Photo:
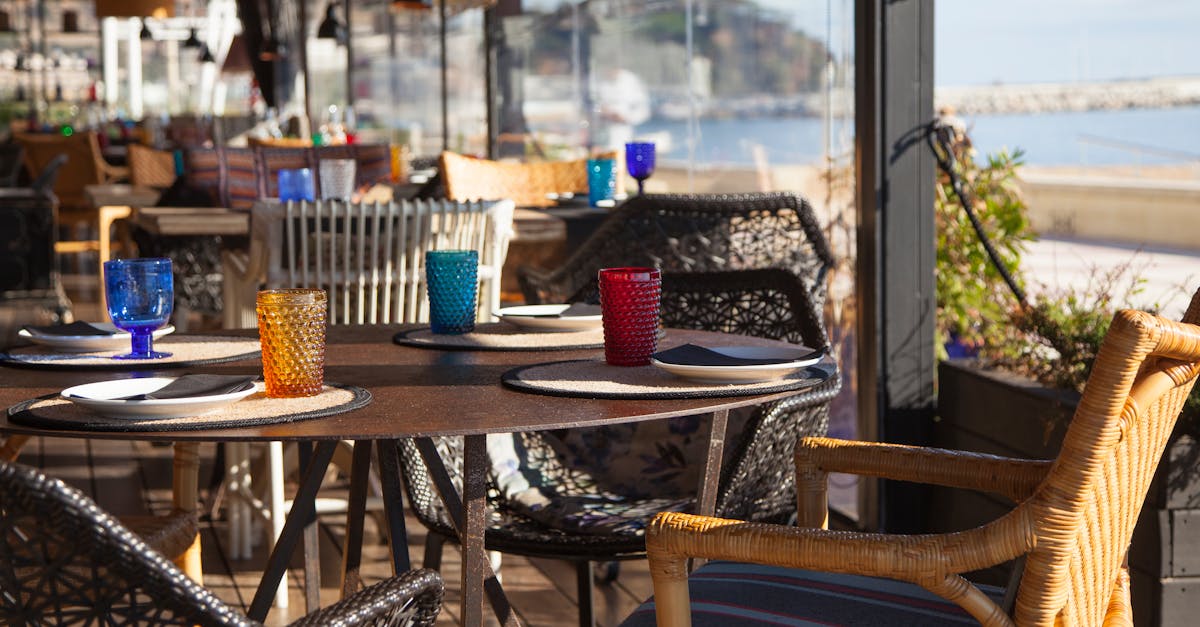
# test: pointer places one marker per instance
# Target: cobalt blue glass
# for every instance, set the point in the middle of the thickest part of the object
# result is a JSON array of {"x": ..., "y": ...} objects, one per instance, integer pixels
[
  {"x": 296, "y": 185},
  {"x": 602, "y": 181},
  {"x": 140, "y": 295},
  {"x": 639, "y": 161},
  {"x": 452, "y": 278}
]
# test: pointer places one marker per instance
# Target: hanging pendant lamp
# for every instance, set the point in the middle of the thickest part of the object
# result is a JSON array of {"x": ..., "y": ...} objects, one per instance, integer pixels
[{"x": 330, "y": 27}]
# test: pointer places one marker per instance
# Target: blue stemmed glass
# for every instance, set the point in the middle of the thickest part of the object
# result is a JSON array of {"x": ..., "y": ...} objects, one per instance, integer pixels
[
  {"x": 639, "y": 161},
  {"x": 140, "y": 295}
]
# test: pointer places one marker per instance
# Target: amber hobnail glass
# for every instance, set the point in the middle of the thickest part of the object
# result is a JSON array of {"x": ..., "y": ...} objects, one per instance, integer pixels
[
  {"x": 291, "y": 325},
  {"x": 629, "y": 300}
]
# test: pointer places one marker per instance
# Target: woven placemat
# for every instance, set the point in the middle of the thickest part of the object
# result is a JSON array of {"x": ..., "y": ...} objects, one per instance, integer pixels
[
  {"x": 186, "y": 351},
  {"x": 500, "y": 336},
  {"x": 592, "y": 378},
  {"x": 54, "y": 412}
]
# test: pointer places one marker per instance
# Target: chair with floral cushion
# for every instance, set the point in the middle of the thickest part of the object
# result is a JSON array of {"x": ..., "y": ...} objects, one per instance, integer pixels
[
  {"x": 555, "y": 495},
  {"x": 64, "y": 561},
  {"x": 1071, "y": 527}
]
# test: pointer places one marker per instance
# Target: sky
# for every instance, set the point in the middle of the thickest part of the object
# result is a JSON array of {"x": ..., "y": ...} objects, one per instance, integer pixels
[{"x": 1033, "y": 41}]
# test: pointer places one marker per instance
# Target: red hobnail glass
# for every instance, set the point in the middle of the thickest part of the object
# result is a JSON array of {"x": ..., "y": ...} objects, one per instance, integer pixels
[{"x": 629, "y": 299}]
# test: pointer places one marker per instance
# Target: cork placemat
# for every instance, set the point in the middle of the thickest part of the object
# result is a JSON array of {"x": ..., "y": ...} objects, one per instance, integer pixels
[
  {"x": 186, "y": 351},
  {"x": 499, "y": 336},
  {"x": 593, "y": 378},
  {"x": 54, "y": 412}
]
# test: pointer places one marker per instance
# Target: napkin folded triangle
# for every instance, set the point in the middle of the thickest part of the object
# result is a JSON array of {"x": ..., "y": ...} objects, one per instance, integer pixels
[
  {"x": 575, "y": 310},
  {"x": 694, "y": 355},
  {"x": 73, "y": 329},
  {"x": 196, "y": 385}
]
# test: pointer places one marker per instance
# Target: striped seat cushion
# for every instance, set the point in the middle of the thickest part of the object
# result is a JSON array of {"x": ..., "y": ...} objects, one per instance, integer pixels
[
  {"x": 726, "y": 593},
  {"x": 239, "y": 185}
]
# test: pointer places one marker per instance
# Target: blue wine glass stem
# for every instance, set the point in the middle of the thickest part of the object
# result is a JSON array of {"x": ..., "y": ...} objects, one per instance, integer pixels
[
  {"x": 141, "y": 343},
  {"x": 641, "y": 183}
]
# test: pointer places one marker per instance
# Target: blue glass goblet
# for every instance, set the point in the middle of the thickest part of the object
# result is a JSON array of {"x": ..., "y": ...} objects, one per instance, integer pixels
[
  {"x": 140, "y": 295},
  {"x": 639, "y": 161}
]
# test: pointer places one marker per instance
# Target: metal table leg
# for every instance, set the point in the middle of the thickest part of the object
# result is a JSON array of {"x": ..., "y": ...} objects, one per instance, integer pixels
[
  {"x": 470, "y": 522},
  {"x": 303, "y": 510}
]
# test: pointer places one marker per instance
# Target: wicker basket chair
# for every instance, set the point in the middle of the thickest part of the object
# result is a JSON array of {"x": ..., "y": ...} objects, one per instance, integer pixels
[
  {"x": 695, "y": 233},
  {"x": 1073, "y": 523},
  {"x": 527, "y": 184},
  {"x": 756, "y": 480},
  {"x": 63, "y": 561}
]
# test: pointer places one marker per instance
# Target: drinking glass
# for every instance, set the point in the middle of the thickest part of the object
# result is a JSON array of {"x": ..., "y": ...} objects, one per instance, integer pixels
[
  {"x": 639, "y": 161},
  {"x": 602, "y": 181},
  {"x": 452, "y": 278},
  {"x": 140, "y": 295},
  {"x": 629, "y": 306},
  {"x": 337, "y": 179},
  {"x": 296, "y": 185},
  {"x": 291, "y": 329}
]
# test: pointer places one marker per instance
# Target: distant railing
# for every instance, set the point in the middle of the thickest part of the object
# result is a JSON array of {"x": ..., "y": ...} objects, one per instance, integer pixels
[{"x": 1139, "y": 148}]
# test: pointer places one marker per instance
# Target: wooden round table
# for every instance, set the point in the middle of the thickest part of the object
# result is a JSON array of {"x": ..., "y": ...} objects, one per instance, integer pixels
[{"x": 418, "y": 393}]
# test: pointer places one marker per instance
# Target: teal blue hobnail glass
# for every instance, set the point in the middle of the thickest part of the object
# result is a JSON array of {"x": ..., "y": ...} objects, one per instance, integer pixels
[{"x": 452, "y": 278}]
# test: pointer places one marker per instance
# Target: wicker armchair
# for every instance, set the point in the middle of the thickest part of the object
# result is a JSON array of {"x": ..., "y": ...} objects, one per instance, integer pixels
[
  {"x": 527, "y": 184},
  {"x": 695, "y": 233},
  {"x": 1072, "y": 525},
  {"x": 756, "y": 480},
  {"x": 63, "y": 561}
]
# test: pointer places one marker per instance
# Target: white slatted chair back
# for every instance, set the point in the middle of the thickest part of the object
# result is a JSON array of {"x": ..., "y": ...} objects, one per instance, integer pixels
[{"x": 369, "y": 257}]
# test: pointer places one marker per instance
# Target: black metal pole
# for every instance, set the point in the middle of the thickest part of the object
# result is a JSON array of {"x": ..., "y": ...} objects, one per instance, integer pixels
[{"x": 445, "y": 75}]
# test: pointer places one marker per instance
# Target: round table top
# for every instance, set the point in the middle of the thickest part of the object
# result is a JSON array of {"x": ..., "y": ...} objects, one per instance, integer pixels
[{"x": 417, "y": 392}]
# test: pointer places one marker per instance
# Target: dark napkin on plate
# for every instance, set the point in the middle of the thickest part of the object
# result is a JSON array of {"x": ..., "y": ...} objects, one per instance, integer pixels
[
  {"x": 572, "y": 311},
  {"x": 195, "y": 385},
  {"x": 693, "y": 355},
  {"x": 75, "y": 328}
]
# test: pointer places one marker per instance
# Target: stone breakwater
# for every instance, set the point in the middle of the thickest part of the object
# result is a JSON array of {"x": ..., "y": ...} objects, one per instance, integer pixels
[{"x": 1053, "y": 97}]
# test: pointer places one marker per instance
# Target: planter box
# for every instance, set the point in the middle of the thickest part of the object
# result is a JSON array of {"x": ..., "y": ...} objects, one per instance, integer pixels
[{"x": 1003, "y": 414}]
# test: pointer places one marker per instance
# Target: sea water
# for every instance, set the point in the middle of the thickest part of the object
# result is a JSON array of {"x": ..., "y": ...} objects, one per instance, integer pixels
[{"x": 1124, "y": 137}]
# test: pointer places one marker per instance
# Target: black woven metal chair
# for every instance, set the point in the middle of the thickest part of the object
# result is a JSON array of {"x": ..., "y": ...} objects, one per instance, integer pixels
[
  {"x": 694, "y": 233},
  {"x": 63, "y": 561},
  {"x": 757, "y": 480}
]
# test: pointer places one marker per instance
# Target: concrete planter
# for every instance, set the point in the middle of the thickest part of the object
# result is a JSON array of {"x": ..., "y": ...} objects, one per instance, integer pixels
[{"x": 1000, "y": 413}]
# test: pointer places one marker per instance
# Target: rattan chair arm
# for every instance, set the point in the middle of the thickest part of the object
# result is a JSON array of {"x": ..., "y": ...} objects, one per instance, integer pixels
[
  {"x": 932, "y": 561},
  {"x": 1013, "y": 478},
  {"x": 415, "y": 595}
]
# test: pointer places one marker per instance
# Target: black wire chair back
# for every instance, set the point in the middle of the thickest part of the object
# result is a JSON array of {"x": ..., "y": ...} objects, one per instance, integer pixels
[
  {"x": 695, "y": 233},
  {"x": 64, "y": 561}
]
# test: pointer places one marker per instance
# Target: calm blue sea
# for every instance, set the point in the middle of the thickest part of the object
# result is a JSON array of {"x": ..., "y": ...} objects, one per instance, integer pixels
[{"x": 1139, "y": 136}]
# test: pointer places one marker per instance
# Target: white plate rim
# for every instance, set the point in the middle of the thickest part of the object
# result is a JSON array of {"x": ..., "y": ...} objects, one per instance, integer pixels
[
  {"x": 123, "y": 408},
  {"x": 548, "y": 321},
  {"x": 742, "y": 374},
  {"x": 89, "y": 343}
]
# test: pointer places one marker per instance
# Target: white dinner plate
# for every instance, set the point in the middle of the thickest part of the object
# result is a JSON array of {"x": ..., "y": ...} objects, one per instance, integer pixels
[
  {"x": 101, "y": 397},
  {"x": 118, "y": 341},
  {"x": 745, "y": 374},
  {"x": 547, "y": 318}
]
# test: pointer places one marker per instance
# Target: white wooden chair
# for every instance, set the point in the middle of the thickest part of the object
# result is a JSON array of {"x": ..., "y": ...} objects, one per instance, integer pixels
[{"x": 370, "y": 259}]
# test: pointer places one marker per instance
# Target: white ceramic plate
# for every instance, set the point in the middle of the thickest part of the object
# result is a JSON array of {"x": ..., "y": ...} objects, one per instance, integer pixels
[
  {"x": 546, "y": 318},
  {"x": 744, "y": 374},
  {"x": 100, "y": 398},
  {"x": 118, "y": 341}
]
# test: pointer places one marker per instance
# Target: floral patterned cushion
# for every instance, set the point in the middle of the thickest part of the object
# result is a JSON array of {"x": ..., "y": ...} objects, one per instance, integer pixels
[{"x": 609, "y": 479}]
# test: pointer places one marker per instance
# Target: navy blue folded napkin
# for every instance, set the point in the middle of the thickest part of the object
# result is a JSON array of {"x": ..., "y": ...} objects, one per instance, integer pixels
[
  {"x": 693, "y": 355},
  {"x": 75, "y": 328},
  {"x": 573, "y": 311},
  {"x": 196, "y": 385}
]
